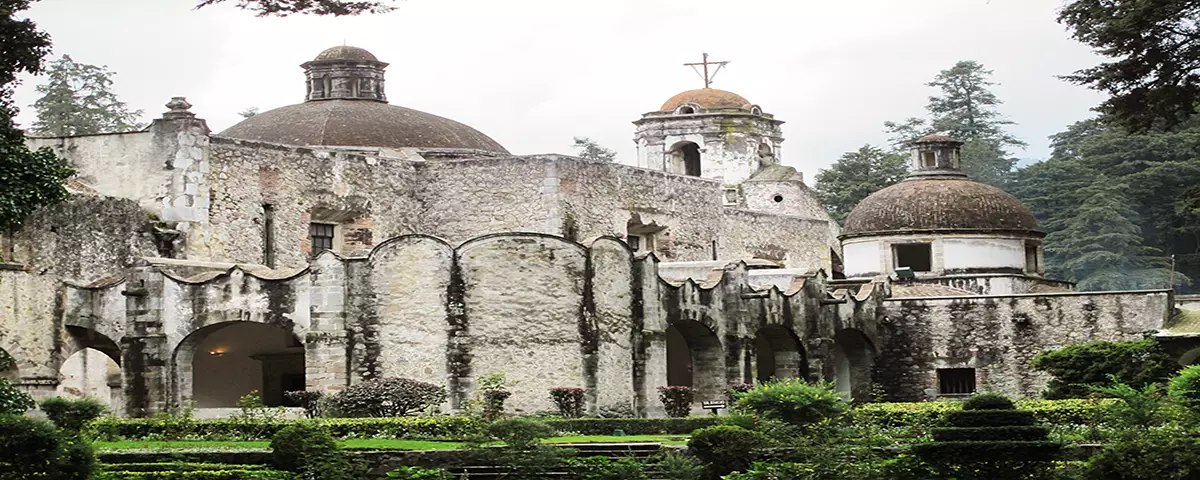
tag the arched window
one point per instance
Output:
(687, 109)
(755, 110)
(691, 159)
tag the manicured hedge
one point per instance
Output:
(990, 418)
(957, 452)
(112, 429)
(1025, 433)
(635, 426)
(196, 475)
(177, 467)
(928, 414)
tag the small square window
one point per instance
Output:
(321, 235)
(956, 381)
(1031, 258)
(917, 256)
(928, 159)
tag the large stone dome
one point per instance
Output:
(933, 204)
(359, 123)
(707, 98)
(346, 107)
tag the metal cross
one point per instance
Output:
(706, 76)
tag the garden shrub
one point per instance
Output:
(990, 418)
(794, 401)
(672, 465)
(306, 399)
(306, 447)
(388, 397)
(13, 400)
(1077, 368)
(988, 401)
(1013, 432)
(725, 448)
(32, 448)
(520, 433)
(734, 390)
(635, 426)
(1153, 458)
(227, 474)
(604, 468)
(569, 401)
(494, 390)
(72, 414)
(1185, 388)
(981, 443)
(163, 427)
(420, 473)
(676, 400)
(928, 414)
(1138, 409)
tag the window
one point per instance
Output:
(321, 235)
(269, 235)
(917, 256)
(755, 110)
(1031, 258)
(929, 159)
(634, 241)
(691, 159)
(956, 381)
(778, 198)
(687, 109)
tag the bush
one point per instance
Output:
(927, 414)
(300, 445)
(72, 415)
(1077, 368)
(635, 426)
(1007, 433)
(1185, 388)
(676, 400)
(114, 429)
(989, 444)
(306, 399)
(604, 468)
(494, 390)
(225, 474)
(988, 401)
(32, 448)
(520, 433)
(794, 401)
(569, 401)
(725, 448)
(388, 397)
(1168, 458)
(734, 390)
(418, 473)
(677, 466)
(990, 418)
(13, 400)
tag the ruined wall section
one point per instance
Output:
(999, 335)
(29, 329)
(464, 199)
(86, 238)
(611, 317)
(793, 241)
(123, 165)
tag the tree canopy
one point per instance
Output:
(856, 175)
(1154, 46)
(589, 149)
(78, 100)
(283, 8)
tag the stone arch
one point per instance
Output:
(685, 159)
(1190, 357)
(89, 365)
(854, 357)
(779, 354)
(227, 360)
(695, 359)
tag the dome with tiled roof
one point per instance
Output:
(707, 98)
(939, 204)
(346, 52)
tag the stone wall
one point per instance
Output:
(999, 335)
(793, 241)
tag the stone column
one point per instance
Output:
(182, 140)
(145, 358)
(325, 356)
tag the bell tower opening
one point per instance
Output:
(691, 159)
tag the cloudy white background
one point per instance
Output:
(534, 73)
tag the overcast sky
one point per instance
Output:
(532, 74)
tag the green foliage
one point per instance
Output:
(672, 465)
(13, 400)
(419, 473)
(857, 175)
(296, 446)
(32, 448)
(635, 426)
(388, 397)
(493, 388)
(78, 100)
(223, 474)
(1153, 78)
(1185, 388)
(73, 414)
(986, 444)
(1078, 368)
(569, 401)
(29, 180)
(988, 401)
(990, 418)
(175, 428)
(283, 8)
(1001, 433)
(794, 401)
(725, 448)
(1139, 408)
(520, 433)
(1171, 458)
(676, 400)
(604, 468)
(589, 149)
(310, 401)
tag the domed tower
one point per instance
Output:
(938, 222)
(708, 133)
(345, 106)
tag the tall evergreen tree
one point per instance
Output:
(855, 176)
(78, 100)
(965, 110)
(591, 150)
(1101, 247)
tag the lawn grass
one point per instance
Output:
(369, 443)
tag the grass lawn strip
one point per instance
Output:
(365, 443)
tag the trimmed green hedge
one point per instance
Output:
(1018, 433)
(195, 475)
(635, 426)
(928, 414)
(114, 429)
(177, 467)
(990, 418)
(956, 452)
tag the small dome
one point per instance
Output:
(357, 123)
(346, 52)
(939, 204)
(935, 138)
(707, 98)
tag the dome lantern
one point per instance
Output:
(346, 73)
(937, 155)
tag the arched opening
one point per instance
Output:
(691, 159)
(217, 365)
(766, 156)
(687, 109)
(92, 373)
(1190, 357)
(694, 359)
(779, 354)
(854, 356)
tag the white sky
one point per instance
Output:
(532, 74)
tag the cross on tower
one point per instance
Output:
(706, 76)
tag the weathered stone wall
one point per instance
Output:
(999, 335)
(794, 241)
(733, 144)
(123, 165)
(464, 199)
(86, 238)
(29, 331)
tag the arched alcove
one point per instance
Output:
(779, 354)
(685, 159)
(218, 364)
(695, 359)
(854, 357)
(92, 373)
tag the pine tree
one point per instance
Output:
(1101, 248)
(78, 100)
(591, 150)
(855, 176)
